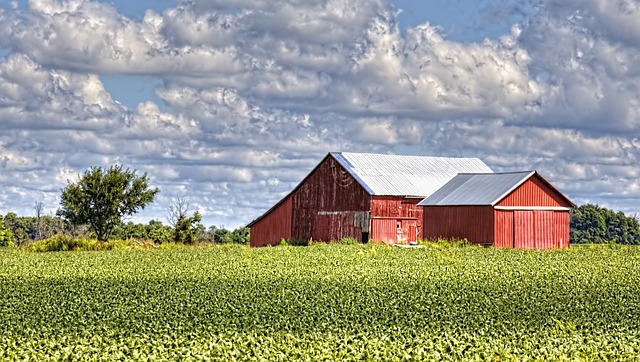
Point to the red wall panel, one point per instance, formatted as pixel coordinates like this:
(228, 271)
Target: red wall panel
(332, 192)
(400, 208)
(524, 229)
(272, 227)
(534, 192)
(472, 222)
(331, 227)
(561, 220)
(384, 230)
(541, 229)
(503, 229)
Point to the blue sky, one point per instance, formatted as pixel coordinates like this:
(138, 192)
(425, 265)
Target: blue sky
(460, 20)
(229, 103)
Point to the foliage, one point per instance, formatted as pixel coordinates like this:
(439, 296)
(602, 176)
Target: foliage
(240, 235)
(101, 198)
(159, 233)
(6, 235)
(186, 228)
(445, 243)
(65, 242)
(223, 236)
(594, 224)
(331, 302)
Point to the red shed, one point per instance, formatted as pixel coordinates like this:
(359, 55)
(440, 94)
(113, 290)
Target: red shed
(511, 210)
(359, 195)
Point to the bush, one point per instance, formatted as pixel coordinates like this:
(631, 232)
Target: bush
(6, 235)
(445, 243)
(64, 242)
(348, 241)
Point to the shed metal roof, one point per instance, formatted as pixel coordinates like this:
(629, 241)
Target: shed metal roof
(477, 189)
(394, 175)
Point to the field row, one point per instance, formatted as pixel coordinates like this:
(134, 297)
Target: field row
(324, 301)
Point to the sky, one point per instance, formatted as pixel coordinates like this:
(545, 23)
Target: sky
(230, 103)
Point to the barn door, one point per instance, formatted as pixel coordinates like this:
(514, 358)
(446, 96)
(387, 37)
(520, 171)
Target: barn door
(523, 229)
(410, 229)
(539, 229)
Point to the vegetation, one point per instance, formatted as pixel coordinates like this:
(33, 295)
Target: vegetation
(595, 224)
(6, 235)
(324, 302)
(102, 198)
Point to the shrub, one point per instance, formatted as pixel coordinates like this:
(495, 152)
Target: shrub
(64, 242)
(445, 243)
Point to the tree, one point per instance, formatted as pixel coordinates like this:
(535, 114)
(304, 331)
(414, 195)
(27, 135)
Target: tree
(223, 236)
(38, 207)
(6, 235)
(178, 210)
(186, 229)
(159, 233)
(101, 198)
(594, 224)
(240, 235)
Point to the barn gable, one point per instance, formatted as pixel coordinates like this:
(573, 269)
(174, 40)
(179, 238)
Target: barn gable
(516, 209)
(518, 189)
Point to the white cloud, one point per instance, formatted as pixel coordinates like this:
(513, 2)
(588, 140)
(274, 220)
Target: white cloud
(254, 93)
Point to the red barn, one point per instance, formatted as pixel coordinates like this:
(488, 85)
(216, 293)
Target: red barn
(359, 195)
(511, 210)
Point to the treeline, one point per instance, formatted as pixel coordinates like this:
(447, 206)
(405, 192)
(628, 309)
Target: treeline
(594, 224)
(17, 230)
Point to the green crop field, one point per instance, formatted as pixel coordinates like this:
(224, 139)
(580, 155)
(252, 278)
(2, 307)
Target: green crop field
(335, 302)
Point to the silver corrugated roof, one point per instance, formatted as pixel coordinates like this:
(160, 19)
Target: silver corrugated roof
(477, 189)
(405, 175)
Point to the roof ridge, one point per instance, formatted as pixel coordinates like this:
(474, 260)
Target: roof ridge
(396, 155)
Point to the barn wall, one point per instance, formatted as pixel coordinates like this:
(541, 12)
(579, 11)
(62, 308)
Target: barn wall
(329, 205)
(272, 227)
(472, 222)
(534, 192)
(503, 229)
(532, 229)
(389, 212)
(561, 220)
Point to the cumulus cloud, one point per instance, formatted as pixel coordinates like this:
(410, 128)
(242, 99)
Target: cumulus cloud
(589, 52)
(252, 94)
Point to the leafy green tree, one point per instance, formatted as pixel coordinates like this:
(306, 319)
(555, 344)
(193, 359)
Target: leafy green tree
(594, 224)
(159, 233)
(223, 236)
(240, 235)
(101, 198)
(23, 228)
(130, 230)
(187, 228)
(6, 235)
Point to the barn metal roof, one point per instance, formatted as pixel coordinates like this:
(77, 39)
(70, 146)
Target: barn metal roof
(477, 189)
(395, 175)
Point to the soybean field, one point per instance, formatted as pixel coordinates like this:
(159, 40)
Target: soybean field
(321, 302)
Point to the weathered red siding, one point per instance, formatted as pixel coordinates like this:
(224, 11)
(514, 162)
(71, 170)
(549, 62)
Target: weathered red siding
(524, 230)
(402, 219)
(503, 229)
(329, 205)
(561, 221)
(534, 192)
(384, 230)
(475, 223)
(273, 227)
(534, 229)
